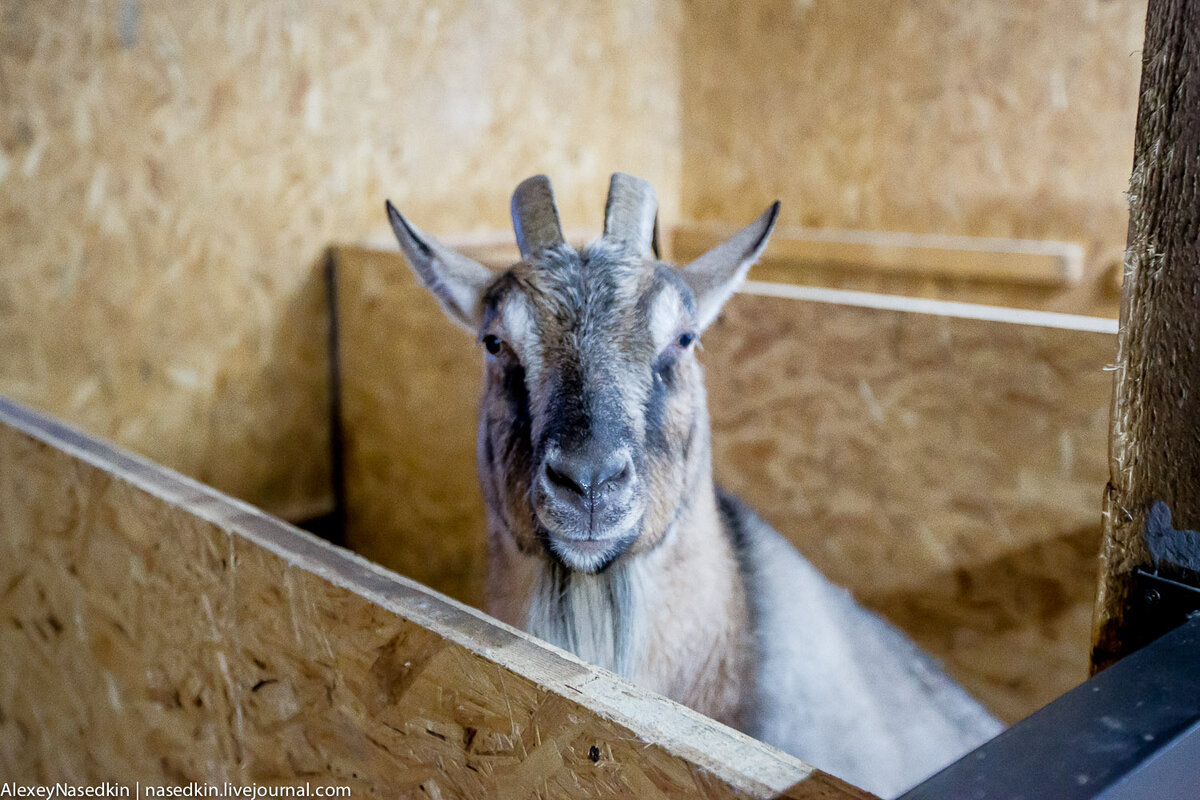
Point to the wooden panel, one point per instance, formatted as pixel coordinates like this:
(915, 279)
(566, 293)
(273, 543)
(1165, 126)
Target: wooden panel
(1011, 119)
(919, 459)
(794, 250)
(1013, 629)
(170, 172)
(409, 389)
(158, 631)
(929, 441)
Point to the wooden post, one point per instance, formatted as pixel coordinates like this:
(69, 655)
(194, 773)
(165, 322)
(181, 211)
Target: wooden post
(1155, 440)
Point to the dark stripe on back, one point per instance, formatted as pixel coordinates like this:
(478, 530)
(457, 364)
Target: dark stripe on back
(734, 516)
(732, 513)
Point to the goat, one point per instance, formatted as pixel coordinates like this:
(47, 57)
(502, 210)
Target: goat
(606, 533)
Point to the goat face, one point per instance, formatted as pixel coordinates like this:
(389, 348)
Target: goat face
(591, 399)
(592, 425)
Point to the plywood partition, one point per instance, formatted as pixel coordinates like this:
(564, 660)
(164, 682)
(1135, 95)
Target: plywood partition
(155, 630)
(947, 469)
(409, 386)
(1010, 119)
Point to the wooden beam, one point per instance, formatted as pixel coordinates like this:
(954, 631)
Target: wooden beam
(794, 249)
(1155, 448)
(155, 630)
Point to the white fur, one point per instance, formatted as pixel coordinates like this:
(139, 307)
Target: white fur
(521, 333)
(665, 317)
(842, 689)
(596, 616)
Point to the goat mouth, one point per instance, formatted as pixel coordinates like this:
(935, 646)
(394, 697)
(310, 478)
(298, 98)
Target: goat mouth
(589, 553)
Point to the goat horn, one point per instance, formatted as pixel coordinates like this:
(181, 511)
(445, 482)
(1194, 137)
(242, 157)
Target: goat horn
(534, 216)
(631, 214)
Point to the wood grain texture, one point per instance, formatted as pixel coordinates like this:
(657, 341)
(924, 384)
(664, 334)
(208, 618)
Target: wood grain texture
(1006, 119)
(169, 174)
(158, 631)
(919, 460)
(1155, 453)
(410, 384)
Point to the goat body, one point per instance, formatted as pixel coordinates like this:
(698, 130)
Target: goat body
(606, 534)
(729, 619)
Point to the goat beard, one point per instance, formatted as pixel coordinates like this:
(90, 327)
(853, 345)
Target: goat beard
(593, 615)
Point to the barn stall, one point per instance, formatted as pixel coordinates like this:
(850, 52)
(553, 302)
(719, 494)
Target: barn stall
(250, 414)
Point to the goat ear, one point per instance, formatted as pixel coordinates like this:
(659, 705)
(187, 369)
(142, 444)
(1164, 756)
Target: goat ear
(714, 276)
(455, 280)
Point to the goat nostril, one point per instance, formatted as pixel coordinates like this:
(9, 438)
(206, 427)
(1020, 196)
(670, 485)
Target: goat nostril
(587, 479)
(564, 481)
(615, 479)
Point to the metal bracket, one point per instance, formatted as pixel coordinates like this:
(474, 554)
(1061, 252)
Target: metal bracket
(1175, 548)
(1163, 599)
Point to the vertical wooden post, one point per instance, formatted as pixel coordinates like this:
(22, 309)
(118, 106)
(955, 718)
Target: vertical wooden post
(1155, 446)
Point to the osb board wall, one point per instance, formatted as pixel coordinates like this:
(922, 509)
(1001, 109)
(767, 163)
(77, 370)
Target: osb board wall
(169, 174)
(949, 471)
(409, 388)
(156, 631)
(1011, 119)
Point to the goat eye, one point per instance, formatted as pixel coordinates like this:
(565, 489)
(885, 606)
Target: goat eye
(686, 339)
(493, 344)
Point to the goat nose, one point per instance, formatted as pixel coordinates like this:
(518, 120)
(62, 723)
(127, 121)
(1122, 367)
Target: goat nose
(588, 478)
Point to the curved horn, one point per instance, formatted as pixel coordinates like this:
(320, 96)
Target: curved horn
(631, 213)
(535, 219)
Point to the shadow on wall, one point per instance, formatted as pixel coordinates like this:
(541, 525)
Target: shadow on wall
(989, 622)
(268, 425)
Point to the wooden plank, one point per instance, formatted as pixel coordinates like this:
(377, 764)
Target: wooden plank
(795, 249)
(156, 630)
(1155, 454)
(945, 468)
